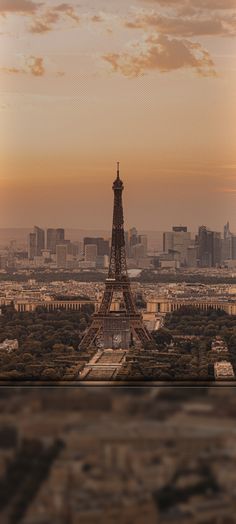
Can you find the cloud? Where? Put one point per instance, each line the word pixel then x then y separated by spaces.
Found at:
pixel 18 6
pixel 163 54
pixel 68 10
pixel 96 18
pixel 190 18
pixel 195 4
pixel 44 23
pixel 12 70
pixel 47 19
pixel 186 27
pixel 40 26
pixel 42 18
pixel 34 65
pixel 227 190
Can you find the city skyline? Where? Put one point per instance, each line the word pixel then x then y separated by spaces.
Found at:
pixel 58 248
pixel 151 85
pixel 117 332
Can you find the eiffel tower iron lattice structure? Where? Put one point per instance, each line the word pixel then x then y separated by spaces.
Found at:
pixel 129 319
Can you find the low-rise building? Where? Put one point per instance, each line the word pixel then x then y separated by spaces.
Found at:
pixel 223 370
pixel 9 346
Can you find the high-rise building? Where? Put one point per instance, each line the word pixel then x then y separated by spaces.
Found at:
pixel 180 229
pixel 228 244
pixel 54 238
pixel 192 256
pixel 40 240
pixel 3 261
pixel 61 255
pixel 227 230
pixel 143 240
pixel 138 251
pixel 217 249
pixel 32 246
pixel 204 240
pixel 72 248
pixel 132 241
pixel 91 251
pixel 209 247
pixel 133 236
pixel 233 247
pixel 102 261
pixel 103 246
pixel 178 240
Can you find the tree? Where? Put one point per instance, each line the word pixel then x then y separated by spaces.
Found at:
pixel 162 336
pixel 51 374
pixel 27 357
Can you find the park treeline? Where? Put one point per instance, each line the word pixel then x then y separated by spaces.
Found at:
pixel 191 331
pixel 49 340
pixel 40 330
pixel 146 276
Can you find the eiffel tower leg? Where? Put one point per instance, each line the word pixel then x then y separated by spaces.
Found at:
pixel 143 334
pixel 91 334
pixel 106 302
pixel 129 302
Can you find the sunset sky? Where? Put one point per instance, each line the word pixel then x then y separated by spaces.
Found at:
pixel 151 84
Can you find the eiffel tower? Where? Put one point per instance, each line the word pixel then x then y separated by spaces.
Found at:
pixel 126 324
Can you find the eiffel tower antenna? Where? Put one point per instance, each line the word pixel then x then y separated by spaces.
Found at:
pixel 104 321
pixel 118 170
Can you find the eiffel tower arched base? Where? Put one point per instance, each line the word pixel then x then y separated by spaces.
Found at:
pixel 125 328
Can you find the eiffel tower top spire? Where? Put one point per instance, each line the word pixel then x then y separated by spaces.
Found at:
pixel 118 184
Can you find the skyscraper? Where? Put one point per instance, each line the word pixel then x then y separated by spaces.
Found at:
pixel 54 238
pixel 36 242
pixel 103 247
pixel 91 252
pixel 233 247
pixel 228 244
pixel 209 247
pixel 32 248
pixel 61 255
pixel 136 245
pixel 178 240
pixel 40 240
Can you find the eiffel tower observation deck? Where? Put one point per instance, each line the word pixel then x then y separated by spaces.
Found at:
pixel 117 328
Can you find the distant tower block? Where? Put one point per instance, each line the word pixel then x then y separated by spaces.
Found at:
pixel 117 328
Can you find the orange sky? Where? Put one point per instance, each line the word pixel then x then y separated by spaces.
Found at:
pixel 151 84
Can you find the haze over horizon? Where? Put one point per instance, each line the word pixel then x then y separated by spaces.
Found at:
pixel 151 84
